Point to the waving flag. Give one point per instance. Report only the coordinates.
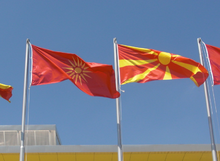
(92, 78)
(214, 57)
(143, 65)
(6, 91)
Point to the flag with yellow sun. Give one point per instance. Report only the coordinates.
(95, 79)
(6, 91)
(143, 65)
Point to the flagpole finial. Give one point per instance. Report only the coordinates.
(199, 39)
(115, 40)
(28, 40)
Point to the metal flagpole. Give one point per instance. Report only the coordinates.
(22, 149)
(213, 147)
(120, 154)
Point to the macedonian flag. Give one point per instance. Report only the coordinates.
(95, 79)
(214, 57)
(143, 65)
(6, 91)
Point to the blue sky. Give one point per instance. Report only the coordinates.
(158, 112)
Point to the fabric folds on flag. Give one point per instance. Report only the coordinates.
(92, 78)
(6, 91)
(214, 57)
(143, 65)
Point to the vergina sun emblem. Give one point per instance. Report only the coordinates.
(77, 70)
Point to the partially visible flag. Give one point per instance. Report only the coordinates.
(6, 91)
(214, 57)
(143, 65)
(92, 78)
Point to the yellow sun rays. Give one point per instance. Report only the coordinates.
(163, 58)
(141, 76)
(77, 70)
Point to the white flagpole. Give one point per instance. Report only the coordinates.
(22, 149)
(213, 147)
(120, 153)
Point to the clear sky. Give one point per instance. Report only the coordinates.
(157, 112)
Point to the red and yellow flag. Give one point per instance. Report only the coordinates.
(214, 57)
(6, 91)
(92, 78)
(143, 65)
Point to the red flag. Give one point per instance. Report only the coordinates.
(214, 57)
(6, 91)
(143, 65)
(92, 78)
